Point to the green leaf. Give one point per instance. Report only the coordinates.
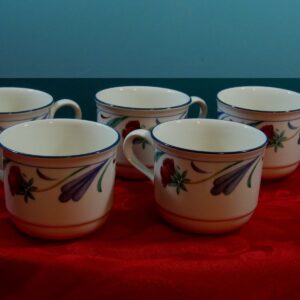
(99, 184)
(116, 121)
(249, 181)
(30, 196)
(183, 187)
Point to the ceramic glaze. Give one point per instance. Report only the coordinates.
(200, 185)
(274, 111)
(134, 107)
(59, 176)
(19, 105)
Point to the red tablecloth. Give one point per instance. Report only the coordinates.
(135, 255)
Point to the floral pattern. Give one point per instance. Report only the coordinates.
(130, 126)
(276, 137)
(19, 185)
(172, 176)
(73, 190)
(225, 182)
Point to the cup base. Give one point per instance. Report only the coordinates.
(278, 172)
(204, 226)
(127, 172)
(58, 232)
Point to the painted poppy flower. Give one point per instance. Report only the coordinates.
(130, 126)
(167, 170)
(268, 130)
(15, 180)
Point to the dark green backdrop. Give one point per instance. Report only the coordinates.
(84, 90)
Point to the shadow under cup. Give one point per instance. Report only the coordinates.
(207, 172)
(59, 176)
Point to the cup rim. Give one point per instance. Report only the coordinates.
(98, 100)
(159, 141)
(114, 144)
(26, 110)
(257, 110)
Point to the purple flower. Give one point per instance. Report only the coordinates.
(76, 188)
(227, 183)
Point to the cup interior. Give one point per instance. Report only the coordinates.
(209, 136)
(58, 138)
(13, 100)
(260, 98)
(142, 97)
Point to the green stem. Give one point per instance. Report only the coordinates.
(250, 175)
(215, 174)
(60, 181)
(99, 187)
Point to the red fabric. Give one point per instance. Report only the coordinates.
(135, 255)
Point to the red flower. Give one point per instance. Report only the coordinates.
(130, 126)
(15, 180)
(166, 171)
(268, 130)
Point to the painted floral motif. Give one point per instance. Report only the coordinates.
(172, 176)
(230, 176)
(130, 126)
(19, 185)
(268, 130)
(296, 129)
(166, 171)
(227, 183)
(73, 190)
(276, 137)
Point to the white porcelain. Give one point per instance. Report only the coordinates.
(133, 107)
(274, 111)
(59, 176)
(19, 105)
(207, 173)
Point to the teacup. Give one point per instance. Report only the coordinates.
(59, 176)
(19, 105)
(274, 111)
(133, 107)
(207, 173)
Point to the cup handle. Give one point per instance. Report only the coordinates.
(202, 104)
(66, 102)
(131, 157)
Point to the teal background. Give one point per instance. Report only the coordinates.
(83, 90)
(149, 38)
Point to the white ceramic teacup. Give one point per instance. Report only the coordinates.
(133, 107)
(22, 104)
(274, 111)
(19, 105)
(207, 172)
(59, 176)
